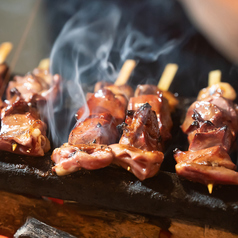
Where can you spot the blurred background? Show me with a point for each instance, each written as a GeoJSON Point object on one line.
{"type": "Point", "coordinates": [34, 25]}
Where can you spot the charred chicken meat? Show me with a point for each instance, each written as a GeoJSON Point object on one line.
{"type": "Point", "coordinates": [137, 150]}
{"type": "Point", "coordinates": [211, 125]}
{"type": "Point", "coordinates": [22, 131]}
{"type": "Point", "coordinates": [96, 127]}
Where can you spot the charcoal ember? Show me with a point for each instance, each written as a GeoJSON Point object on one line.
{"type": "Point", "coordinates": [34, 228]}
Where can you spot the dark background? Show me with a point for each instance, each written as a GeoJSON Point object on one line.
{"type": "Point", "coordinates": [32, 26]}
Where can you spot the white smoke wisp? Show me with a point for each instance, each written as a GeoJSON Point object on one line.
{"type": "Point", "coordinates": [80, 52]}
{"type": "Point", "coordinates": [82, 55]}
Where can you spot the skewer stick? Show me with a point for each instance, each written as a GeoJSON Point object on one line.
{"type": "Point", "coordinates": [5, 49]}
{"type": "Point", "coordinates": [125, 72]}
{"type": "Point", "coordinates": [14, 146]}
{"type": "Point", "coordinates": [214, 77]}
{"type": "Point", "coordinates": [44, 64]}
{"type": "Point", "coordinates": [167, 76]}
{"type": "Point", "coordinates": [210, 187]}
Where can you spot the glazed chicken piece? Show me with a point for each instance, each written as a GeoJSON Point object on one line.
{"type": "Point", "coordinates": [211, 125]}
{"type": "Point", "coordinates": [160, 105]}
{"type": "Point", "coordinates": [225, 89]}
{"type": "Point", "coordinates": [141, 129]}
{"type": "Point", "coordinates": [210, 165]}
{"type": "Point", "coordinates": [137, 150]}
{"type": "Point", "coordinates": [39, 85]}
{"type": "Point", "coordinates": [143, 164]}
{"type": "Point", "coordinates": [125, 90]}
{"type": "Point", "coordinates": [22, 132]}
{"type": "Point", "coordinates": [218, 110]}
{"type": "Point", "coordinates": [71, 158]}
{"type": "Point", "coordinates": [95, 129]}
{"type": "Point", "coordinates": [203, 138]}
{"type": "Point", "coordinates": [149, 89]}
{"type": "Point", "coordinates": [104, 101]}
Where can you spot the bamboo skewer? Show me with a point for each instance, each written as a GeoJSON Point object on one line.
{"type": "Point", "coordinates": [125, 72]}
{"type": "Point", "coordinates": [214, 77]}
{"type": "Point", "coordinates": [14, 146]}
{"type": "Point", "coordinates": [210, 187]}
{"type": "Point", "coordinates": [5, 49]}
{"type": "Point", "coordinates": [167, 76]}
{"type": "Point", "coordinates": [44, 64]}
{"type": "Point", "coordinates": [123, 77]}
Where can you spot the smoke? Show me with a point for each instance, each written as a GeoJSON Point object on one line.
{"type": "Point", "coordinates": [91, 47]}
{"type": "Point", "coordinates": [80, 52]}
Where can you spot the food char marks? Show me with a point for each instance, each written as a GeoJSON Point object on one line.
{"type": "Point", "coordinates": [92, 132]}
{"type": "Point", "coordinates": [211, 125]}
{"type": "Point", "coordinates": [22, 131]}
{"type": "Point", "coordinates": [105, 111]}
{"type": "Point", "coordinates": [71, 158]}
{"type": "Point", "coordinates": [159, 104]}
{"type": "Point", "coordinates": [37, 86]}
{"type": "Point", "coordinates": [138, 148]}
{"type": "Point", "coordinates": [141, 129]}
{"type": "Point", "coordinates": [95, 129]}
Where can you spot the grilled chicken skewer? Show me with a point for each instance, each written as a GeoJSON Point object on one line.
{"type": "Point", "coordinates": [147, 126]}
{"type": "Point", "coordinates": [138, 147]}
{"type": "Point", "coordinates": [37, 86]}
{"type": "Point", "coordinates": [211, 125]}
{"type": "Point", "coordinates": [96, 127]}
{"type": "Point", "coordinates": [22, 131]}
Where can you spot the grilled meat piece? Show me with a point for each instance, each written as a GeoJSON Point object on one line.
{"type": "Point", "coordinates": [149, 89]}
{"type": "Point", "coordinates": [125, 90]}
{"type": "Point", "coordinates": [39, 85]}
{"type": "Point", "coordinates": [210, 165]}
{"type": "Point", "coordinates": [201, 139]}
{"type": "Point", "coordinates": [137, 150]}
{"type": "Point", "coordinates": [96, 129]}
{"type": "Point", "coordinates": [96, 125]}
{"type": "Point", "coordinates": [141, 129]}
{"type": "Point", "coordinates": [211, 126]}
{"type": "Point", "coordinates": [71, 158]}
{"type": "Point", "coordinates": [216, 109]}
{"type": "Point", "coordinates": [22, 131]}
{"type": "Point", "coordinates": [225, 89]}
{"type": "Point", "coordinates": [104, 101]}
{"type": "Point", "coordinates": [160, 105]}
{"type": "Point", "coordinates": [143, 164]}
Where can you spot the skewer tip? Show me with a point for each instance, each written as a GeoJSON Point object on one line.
{"type": "Point", "coordinates": [5, 49]}
{"type": "Point", "coordinates": [14, 146]}
{"type": "Point", "coordinates": [128, 168]}
{"type": "Point", "coordinates": [125, 72]}
{"type": "Point", "coordinates": [210, 188]}
{"type": "Point", "coordinates": [44, 64]}
{"type": "Point", "coordinates": [214, 77]}
{"type": "Point", "coordinates": [167, 76]}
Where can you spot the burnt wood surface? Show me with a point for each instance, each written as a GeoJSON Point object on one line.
{"type": "Point", "coordinates": [165, 195]}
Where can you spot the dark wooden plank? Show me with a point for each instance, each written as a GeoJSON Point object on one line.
{"type": "Point", "coordinates": [165, 195]}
